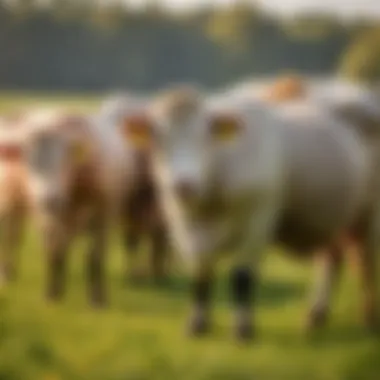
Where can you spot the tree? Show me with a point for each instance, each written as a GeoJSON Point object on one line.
{"type": "Point", "coordinates": [362, 59]}
{"type": "Point", "coordinates": [229, 26]}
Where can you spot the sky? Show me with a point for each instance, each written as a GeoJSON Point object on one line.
{"type": "Point", "coordinates": [344, 8]}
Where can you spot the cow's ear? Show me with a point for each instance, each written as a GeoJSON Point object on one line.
{"type": "Point", "coordinates": [225, 127]}
{"type": "Point", "coordinates": [286, 89]}
{"type": "Point", "coordinates": [138, 130]}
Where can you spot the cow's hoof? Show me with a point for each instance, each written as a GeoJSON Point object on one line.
{"type": "Point", "coordinates": [199, 326]}
{"type": "Point", "coordinates": [244, 332]}
{"type": "Point", "coordinates": [316, 320]}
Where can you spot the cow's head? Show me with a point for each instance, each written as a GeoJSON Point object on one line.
{"type": "Point", "coordinates": [125, 118]}
{"type": "Point", "coordinates": [192, 136]}
{"type": "Point", "coordinates": [57, 144]}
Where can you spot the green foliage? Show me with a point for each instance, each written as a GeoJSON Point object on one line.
{"type": "Point", "coordinates": [362, 60]}
{"type": "Point", "coordinates": [231, 27]}
{"type": "Point", "coordinates": [77, 45]}
{"type": "Point", "coordinates": [312, 27]}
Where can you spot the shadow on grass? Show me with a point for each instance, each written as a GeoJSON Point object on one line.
{"type": "Point", "coordinates": [271, 292]}
{"type": "Point", "coordinates": [332, 338]}
{"type": "Point", "coordinates": [328, 336]}
{"type": "Point", "coordinates": [172, 297]}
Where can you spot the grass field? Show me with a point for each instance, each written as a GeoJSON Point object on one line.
{"type": "Point", "coordinates": [141, 335]}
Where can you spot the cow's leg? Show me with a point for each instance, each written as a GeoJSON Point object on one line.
{"type": "Point", "coordinates": [132, 239]}
{"type": "Point", "coordinates": [96, 258]}
{"type": "Point", "coordinates": [367, 266]}
{"type": "Point", "coordinates": [132, 234]}
{"type": "Point", "coordinates": [16, 231]}
{"type": "Point", "coordinates": [368, 274]}
{"type": "Point", "coordinates": [368, 269]}
{"type": "Point", "coordinates": [12, 229]}
{"type": "Point", "coordinates": [159, 254]}
{"type": "Point", "coordinates": [244, 282]}
{"type": "Point", "coordinates": [328, 269]}
{"type": "Point", "coordinates": [201, 293]}
{"type": "Point", "coordinates": [56, 240]}
{"type": "Point", "coordinates": [244, 277]}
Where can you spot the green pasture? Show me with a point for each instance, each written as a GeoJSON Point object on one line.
{"type": "Point", "coordinates": [141, 335]}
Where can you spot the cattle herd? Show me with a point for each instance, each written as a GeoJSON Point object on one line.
{"type": "Point", "coordinates": [290, 161]}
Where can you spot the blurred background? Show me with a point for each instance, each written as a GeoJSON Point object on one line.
{"type": "Point", "coordinates": [71, 52]}
{"type": "Point", "coordinates": [94, 45]}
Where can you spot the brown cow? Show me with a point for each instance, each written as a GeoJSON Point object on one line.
{"type": "Point", "coordinates": [76, 180]}
{"type": "Point", "coordinates": [142, 216]}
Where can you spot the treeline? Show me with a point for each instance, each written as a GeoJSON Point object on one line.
{"type": "Point", "coordinates": [75, 45]}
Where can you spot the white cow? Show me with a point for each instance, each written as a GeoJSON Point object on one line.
{"type": "Point", "coordinates": [242, 171]}
{"type": "Point", "coordinates": [299, 100]}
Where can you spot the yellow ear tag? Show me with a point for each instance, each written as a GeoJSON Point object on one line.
{"type": "Point", "coordinates": [139, 138]}
{"type": "Point", "coordinates": [225, 130]}
{"type": "Point", "coordinates": [137, 133]}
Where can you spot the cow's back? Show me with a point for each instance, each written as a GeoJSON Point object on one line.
{"type": "Point", "coordinates": [326, 183]}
